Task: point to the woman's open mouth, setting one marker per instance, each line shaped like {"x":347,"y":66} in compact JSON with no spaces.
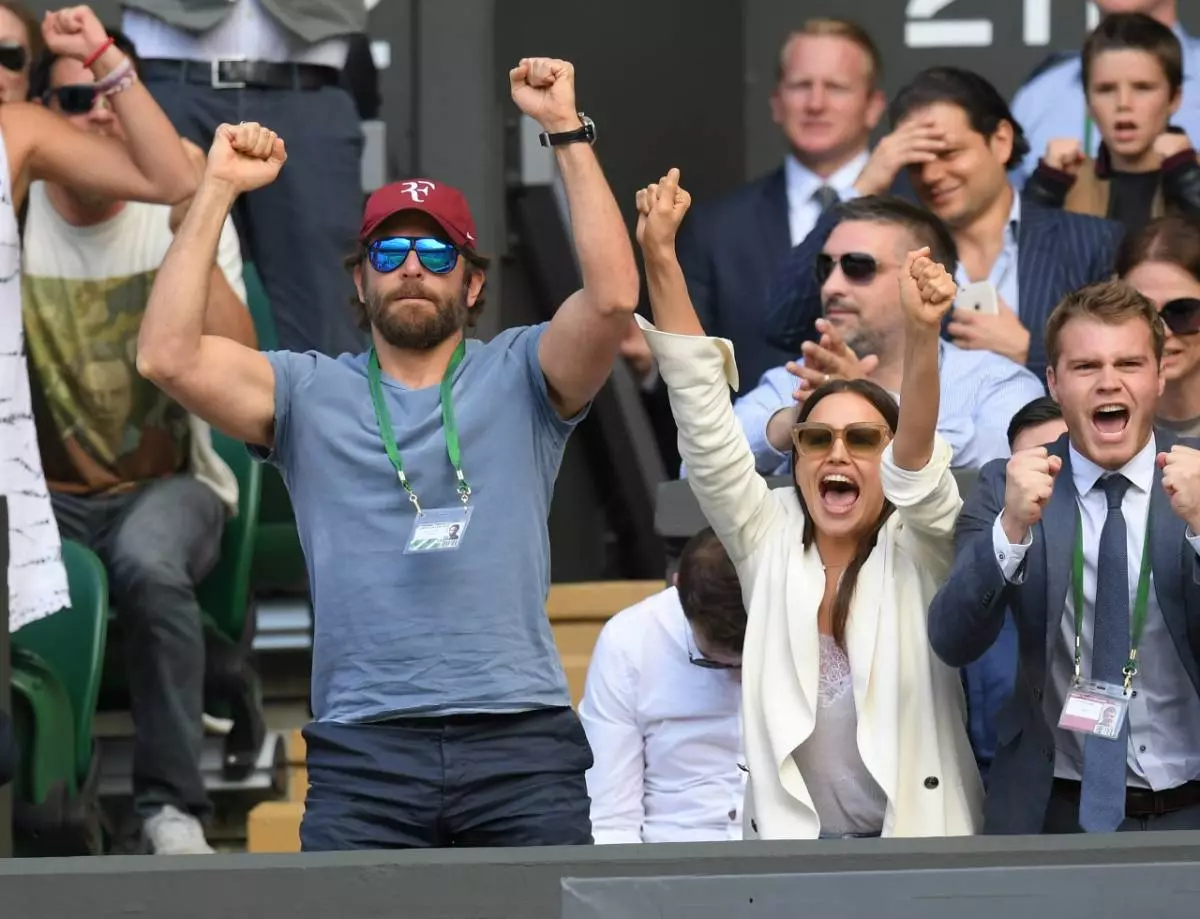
{"x":839,"y":493}
{"x":1110,"y":421}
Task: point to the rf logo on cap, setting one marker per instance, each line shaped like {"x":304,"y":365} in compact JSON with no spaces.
{"x":417,"y":190}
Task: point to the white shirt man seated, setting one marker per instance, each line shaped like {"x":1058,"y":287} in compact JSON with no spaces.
{"x":662,"y":709}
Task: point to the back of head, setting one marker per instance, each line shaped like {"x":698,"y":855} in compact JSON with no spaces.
{"x":984,"y":106}
{"x":1172,"y":239}
{"x":710,"y":593}
{"x":1135,"y":32}
{"x":1031,"y":415}
{"x":922,"y":227}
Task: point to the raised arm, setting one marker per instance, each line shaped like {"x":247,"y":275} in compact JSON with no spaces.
{"x":584,"y":338}
{"x":916,"y":469}
{"x":698,"y":372}
{"x":230,"y":386}
{"x":150,"y":165}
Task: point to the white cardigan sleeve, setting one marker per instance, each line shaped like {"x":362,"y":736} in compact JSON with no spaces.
{"x":735,"y":499}
{"x":927,"y":502}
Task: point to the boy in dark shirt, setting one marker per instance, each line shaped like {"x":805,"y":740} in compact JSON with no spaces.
{"x":1133,"y":75}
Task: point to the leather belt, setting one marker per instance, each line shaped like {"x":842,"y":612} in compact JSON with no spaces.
{"x":240,"y":74}
{"x":1142,"y":802}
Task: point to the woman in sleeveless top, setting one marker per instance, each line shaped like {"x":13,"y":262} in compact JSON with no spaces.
{"x":852,"y":727}
{"x":35,"y":143}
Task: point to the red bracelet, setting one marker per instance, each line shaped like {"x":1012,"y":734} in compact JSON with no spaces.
{"x":95,"y":55}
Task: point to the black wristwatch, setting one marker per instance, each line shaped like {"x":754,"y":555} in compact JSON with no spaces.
{"x":584,"y":134}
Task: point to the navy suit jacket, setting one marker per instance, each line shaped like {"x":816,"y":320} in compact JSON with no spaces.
{"x":968,"y":612}
{"x":1058,"y":252}
{"x":729,"y":250}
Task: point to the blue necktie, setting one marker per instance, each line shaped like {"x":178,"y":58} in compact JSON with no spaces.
{"x":1102,"y":797}
{"x":825,"y":197}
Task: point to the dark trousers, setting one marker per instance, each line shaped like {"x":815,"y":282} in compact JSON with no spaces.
{"x":156,"y":544}
{"x":298,"y":229}
{"x":1062,"y":815}
{"x":468,"y":780}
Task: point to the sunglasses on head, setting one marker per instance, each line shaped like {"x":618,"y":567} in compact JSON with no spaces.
{"x":76,"y":99}
{"x":13,"y":57}
{"x":1181,"y":316}
{"x":864,"y":439}
{"x":856,"y":266}
{"x":386,"y":255}
{"x":699,"y":660}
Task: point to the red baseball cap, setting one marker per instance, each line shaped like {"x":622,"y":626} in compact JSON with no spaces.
{"x":444,"y":203}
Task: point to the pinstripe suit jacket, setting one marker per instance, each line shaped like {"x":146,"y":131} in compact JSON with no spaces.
{"x":1057,"y":252}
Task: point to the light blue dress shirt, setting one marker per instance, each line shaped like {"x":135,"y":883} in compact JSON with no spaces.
{"x":1051,"y":105}
{"x":980,"y":392}
{"x":1003,"y":275}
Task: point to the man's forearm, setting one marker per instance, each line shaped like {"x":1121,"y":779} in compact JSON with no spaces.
{"x":602,"y":245}
{"x":227,"y":316}
{"x":919,"y":398}
{"x":670,"y":303}
{"x":175,"y":314}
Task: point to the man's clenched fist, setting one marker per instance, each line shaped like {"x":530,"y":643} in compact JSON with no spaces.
{"x":1181,"y":482}
{"x":1029,"y":481}
{"x":544,"y":89}
{"x":245,"y":156}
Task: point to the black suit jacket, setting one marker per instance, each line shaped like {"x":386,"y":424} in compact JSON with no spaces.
{"x":1057,"y":252}
{"x":968,"y":613}
{"x":729,"y":250}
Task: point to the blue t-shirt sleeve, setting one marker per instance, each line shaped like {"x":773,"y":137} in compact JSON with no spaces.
{"x":293,"y":372}
{"x":552,"y":423}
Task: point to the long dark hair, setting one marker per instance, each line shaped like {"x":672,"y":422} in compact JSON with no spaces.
{"x":883,"y":403}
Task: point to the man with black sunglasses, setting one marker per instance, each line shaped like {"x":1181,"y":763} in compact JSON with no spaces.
{"x":442,"y":711}
{"x":862,"y":335}
{"x":131,"y":474}
{"x":662,"y":708}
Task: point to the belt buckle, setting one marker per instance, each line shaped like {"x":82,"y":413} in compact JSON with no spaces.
{"x":215,"y":74}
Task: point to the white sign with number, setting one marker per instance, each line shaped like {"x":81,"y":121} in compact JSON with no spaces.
{"x":923,"y":30}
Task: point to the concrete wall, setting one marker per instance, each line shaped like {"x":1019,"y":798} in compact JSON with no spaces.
{"x":527,"y":883}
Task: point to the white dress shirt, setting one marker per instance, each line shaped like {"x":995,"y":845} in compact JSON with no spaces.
{"x":665,"y":734}
{"x":1164,"y":710}
{"x":248,"y":33}
{"x":1004,"y":276}
{"x":802,"y":185}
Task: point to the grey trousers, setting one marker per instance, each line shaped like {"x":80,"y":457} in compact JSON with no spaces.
{"x":298,"y":229}
{"x":157,"y":543}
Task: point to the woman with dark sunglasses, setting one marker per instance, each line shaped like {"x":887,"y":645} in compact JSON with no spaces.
{"x":20,"y":43}
{"x":1163,"y":262}
{"x":852,"y":726}
{"x":36,"y":143}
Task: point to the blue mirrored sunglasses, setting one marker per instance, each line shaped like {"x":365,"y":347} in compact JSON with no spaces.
{"x":386,"y":255}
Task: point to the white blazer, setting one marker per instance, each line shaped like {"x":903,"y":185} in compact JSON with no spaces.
{"x":911,"y":712}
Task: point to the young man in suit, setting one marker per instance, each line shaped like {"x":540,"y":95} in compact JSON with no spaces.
{"x":959,"y":140}
{"x":826,"y":101}
{"x":1091,"y":542}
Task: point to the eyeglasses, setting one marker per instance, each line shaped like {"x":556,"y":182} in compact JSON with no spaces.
{"x":1182,"y":316}
{"x":13,"y":57}
{"x":76,"y":99}
{"x":864,"y":439}
{"x":706,"y":662}
{"x":858,"y":267}
{"x":386,"y":255}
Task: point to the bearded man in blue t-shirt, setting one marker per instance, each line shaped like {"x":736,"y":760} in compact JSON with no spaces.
{"x":421,"y":474}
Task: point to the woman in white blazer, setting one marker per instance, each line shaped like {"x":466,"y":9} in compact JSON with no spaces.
{"x":852,"y":725}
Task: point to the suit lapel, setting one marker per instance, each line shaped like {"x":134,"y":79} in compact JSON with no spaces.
{"x":1060,"y":521}
{"x":774,"y":228}
{"x":1165,"y":530}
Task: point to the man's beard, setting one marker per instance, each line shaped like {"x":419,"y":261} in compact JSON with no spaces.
{"x":417,"y":329}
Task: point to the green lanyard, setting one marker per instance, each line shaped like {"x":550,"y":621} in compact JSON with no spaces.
{"x":383,"y":418}
{"x":1087,"y":135}
{"x":1138,"y":621}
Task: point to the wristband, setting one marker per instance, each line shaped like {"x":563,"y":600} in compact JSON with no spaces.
{"x":95,"y":55}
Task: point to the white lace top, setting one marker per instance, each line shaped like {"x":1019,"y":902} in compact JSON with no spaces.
{"x":848,"y":800}
{"x":37,"y":581}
